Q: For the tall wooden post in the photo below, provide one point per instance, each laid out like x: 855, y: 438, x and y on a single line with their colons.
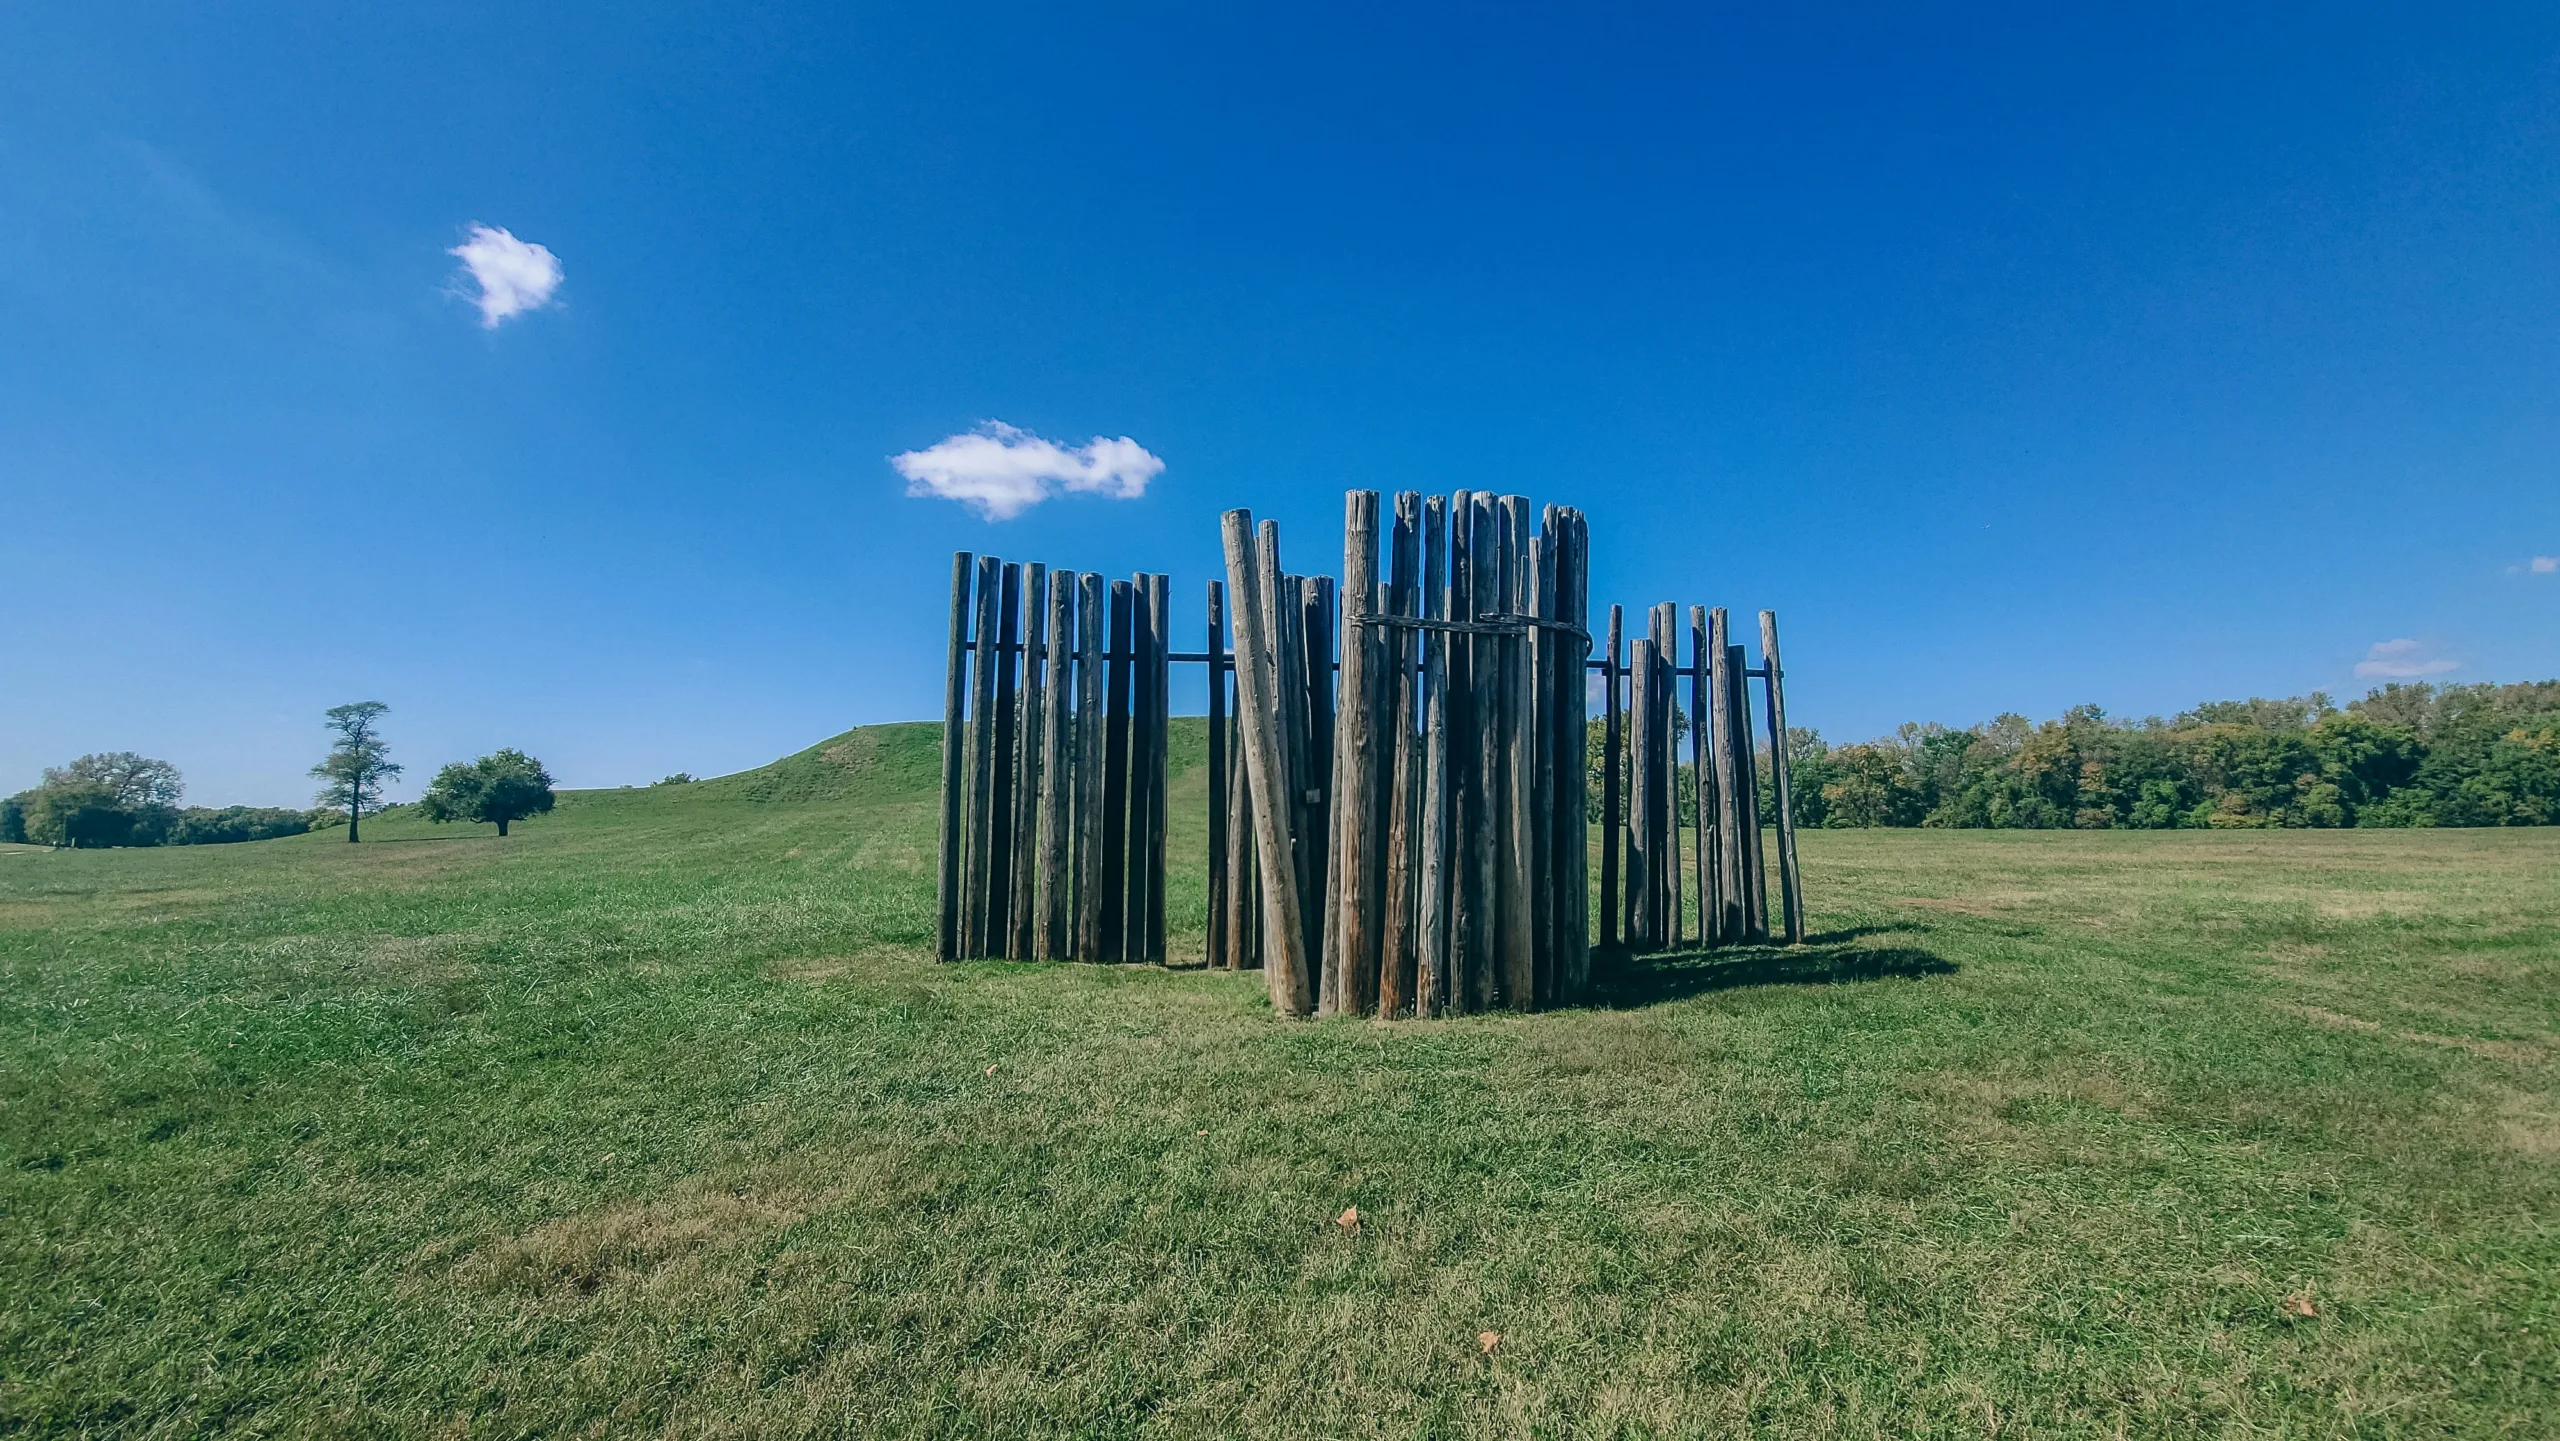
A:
x: 1057, y: 815
x: 1397, y: 962
x: 1258, y: 718
x: 1572, y: 754
x: 1115, y: 777
x: 955, y: 692
x: 1729, y: 868
x: 1092, y: 639
x: 1159, y: 713
x: 1357, y: 875
x: 1781, y: 780
x: 1008, y: 729
x: 1641, y: 858
x: 982, y: 755
x: 1214, y: 944
x: 1141, y: 798
x: 1485, y: 850
x: 1746, y: 780
x: 1701, y: 764
x: 1612, y: 787
x: 1022, y: 931
x: 1667, y: 627
x: 1431, y: 881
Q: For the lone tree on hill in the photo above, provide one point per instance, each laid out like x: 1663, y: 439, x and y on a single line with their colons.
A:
x: 358, y: 764
x: 498, y: 789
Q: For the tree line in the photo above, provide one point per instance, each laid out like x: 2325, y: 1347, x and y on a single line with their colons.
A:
x: 119, y: 798
x: 2404, y: 755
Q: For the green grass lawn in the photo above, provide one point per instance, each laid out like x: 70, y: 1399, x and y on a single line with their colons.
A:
x: 658, y: 1117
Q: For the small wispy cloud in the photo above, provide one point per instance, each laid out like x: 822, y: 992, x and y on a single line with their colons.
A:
x: 2544, y: 564
x: 514, y: 275
x: 1002, y: 470
x: 2400, y: 660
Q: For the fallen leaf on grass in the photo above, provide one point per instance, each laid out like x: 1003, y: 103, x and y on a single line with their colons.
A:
x: 2299, y: 1304
x: 1349, y: 1220
x: 1488, y: 1340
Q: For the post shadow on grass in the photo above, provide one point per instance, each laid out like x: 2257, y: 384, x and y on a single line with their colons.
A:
x: 1623, y: 981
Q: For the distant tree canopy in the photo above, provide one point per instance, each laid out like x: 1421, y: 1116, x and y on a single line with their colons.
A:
x: 498, y: 790
x: 118, y: 798
x: 357, y: 765
x: 2405, y: 755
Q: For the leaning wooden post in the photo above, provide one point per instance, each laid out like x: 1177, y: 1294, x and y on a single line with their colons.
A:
x: 982, y: 756
x: 1258, y: 722
x: 955, y: 693
x: 1056, y: 814
x: 1612, y: 788
x: 1091, y: 639
x: 1431, y: 880
x: 1782, y: 780
x: 1240, y: 927
x: 1214, y: 944
x: 1355, y: 877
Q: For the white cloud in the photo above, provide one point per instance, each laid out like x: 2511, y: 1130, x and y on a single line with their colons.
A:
x: 514, y: 275
x: 2546, y: 564
x: 2400, y: 660
x: 1004, y: 471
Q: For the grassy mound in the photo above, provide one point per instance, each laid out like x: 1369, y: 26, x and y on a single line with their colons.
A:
x: 657, y: 1117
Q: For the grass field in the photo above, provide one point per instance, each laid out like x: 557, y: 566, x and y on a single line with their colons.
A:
x: 657, y: 1117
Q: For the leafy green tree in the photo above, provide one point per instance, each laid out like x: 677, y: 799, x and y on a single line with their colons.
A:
x: 13, y: 818
x: 358, y: 764
x: 496, y: 789
x: 110, y: 798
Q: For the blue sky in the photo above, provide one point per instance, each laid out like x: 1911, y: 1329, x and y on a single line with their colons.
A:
x: 2019, y: 359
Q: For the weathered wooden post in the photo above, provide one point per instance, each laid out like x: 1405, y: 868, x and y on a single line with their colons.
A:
x: 1431, y: 903
x: 1258, y: 716
x: 948, y: 879
x: 1137, y: 899
x: 1008, y: 725
x: 1731, y: 860
x: 1746, y: 780
x: 1702, y: 753
x: 1398, y: 965
x: 1092, y: 640
x: 1573, y: 827
x: 1022, y: 934
x: 1612, y: 786
x: 982, y: 755
x: 1781, y: 780
x: 1159, y: 727
x: 1214, y: 943
x: 1057, y: 816
x: 1357, y: 875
